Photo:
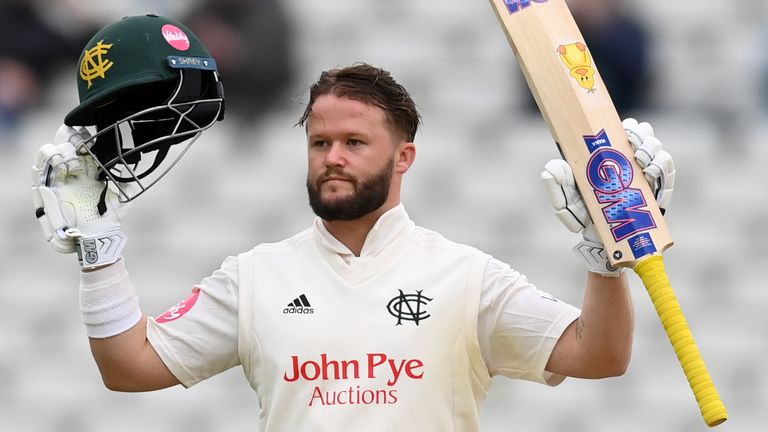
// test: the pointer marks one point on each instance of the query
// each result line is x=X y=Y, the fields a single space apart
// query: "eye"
x=352 y=142
x=320 y=143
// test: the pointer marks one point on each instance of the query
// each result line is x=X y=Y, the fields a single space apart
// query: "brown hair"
x=373 y=86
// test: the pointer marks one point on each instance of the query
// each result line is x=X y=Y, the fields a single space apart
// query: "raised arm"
x=67 y=196
x=126 y=360
x=599 y=343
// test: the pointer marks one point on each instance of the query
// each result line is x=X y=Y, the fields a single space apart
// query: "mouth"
x=336 y=184
x=335 y=179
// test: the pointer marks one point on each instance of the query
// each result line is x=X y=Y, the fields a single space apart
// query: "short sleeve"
x=197 y=338
x=519 y=325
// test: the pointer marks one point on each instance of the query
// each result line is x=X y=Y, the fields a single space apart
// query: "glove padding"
x=657 y=164
x=66 y=195
x=566 y=202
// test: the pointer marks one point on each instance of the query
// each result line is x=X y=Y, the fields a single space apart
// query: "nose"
x=335 y=155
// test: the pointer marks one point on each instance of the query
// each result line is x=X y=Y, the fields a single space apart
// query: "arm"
x=64 y=192
x=598 y=344
x=128 y=362
x=117 y=332
x=193 y=340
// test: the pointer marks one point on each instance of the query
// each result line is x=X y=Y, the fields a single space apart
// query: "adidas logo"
x=299 y=305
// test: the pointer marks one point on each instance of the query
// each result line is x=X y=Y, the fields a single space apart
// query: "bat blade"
x=583 y=121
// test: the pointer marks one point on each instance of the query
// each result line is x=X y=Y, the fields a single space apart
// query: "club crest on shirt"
x=409 y=307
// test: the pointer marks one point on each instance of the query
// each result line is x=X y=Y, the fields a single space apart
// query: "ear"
x=406 y=154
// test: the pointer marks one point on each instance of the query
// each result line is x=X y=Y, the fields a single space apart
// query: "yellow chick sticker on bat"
x=577 y=59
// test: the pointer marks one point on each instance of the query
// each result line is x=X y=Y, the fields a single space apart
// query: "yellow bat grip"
x=651 y=271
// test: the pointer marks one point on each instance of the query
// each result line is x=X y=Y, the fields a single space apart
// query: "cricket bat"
x=571 y=96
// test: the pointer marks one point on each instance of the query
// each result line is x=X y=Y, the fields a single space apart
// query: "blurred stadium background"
x=475 y=180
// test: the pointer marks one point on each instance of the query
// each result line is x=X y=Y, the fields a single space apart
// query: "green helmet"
x=145 y=83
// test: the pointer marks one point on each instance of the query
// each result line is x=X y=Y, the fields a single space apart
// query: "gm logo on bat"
x=517 y=5
x=625 y=209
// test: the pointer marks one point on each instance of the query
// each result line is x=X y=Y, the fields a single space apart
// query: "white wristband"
x=108 y=301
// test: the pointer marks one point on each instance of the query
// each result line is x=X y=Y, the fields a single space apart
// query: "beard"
x=367 y=196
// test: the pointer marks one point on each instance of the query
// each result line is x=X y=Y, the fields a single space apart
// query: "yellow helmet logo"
x=577 y=59
x=94 y=65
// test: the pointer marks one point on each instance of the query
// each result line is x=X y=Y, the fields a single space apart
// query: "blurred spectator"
x=252 y=44
x=619 y=45
x=30 y=51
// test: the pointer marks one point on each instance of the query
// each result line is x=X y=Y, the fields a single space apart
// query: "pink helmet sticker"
x=175 y=37
x=180 y=309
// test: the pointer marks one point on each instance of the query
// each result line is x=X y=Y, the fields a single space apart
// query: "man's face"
x=351 y=156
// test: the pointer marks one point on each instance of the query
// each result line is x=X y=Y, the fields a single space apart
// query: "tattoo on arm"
x=579 y=328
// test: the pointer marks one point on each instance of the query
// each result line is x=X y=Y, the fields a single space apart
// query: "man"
x=364 y=321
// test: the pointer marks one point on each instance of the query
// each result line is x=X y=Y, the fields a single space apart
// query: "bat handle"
x=651 y=271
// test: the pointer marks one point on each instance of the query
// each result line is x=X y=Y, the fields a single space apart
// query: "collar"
x=389 y=226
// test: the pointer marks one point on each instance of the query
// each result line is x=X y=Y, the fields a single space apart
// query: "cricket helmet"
x=145 y=83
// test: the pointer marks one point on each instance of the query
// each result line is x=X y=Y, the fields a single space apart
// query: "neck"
x=352 y=233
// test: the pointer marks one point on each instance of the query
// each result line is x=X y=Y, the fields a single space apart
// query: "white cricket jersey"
x=407 y=335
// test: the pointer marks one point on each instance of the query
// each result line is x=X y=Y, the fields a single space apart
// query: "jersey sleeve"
x=519 y=325
x=197 y=338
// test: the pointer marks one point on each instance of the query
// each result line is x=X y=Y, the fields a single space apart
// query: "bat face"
x=624 y=208
x=566 y=83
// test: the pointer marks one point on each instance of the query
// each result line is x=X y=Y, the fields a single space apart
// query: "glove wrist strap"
x=593 y=255
x=99 y=249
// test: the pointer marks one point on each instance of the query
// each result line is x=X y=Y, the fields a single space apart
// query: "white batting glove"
x=66 y=195
x=656 y=163
x=566 y=202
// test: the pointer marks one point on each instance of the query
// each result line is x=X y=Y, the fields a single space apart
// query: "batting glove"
x=566 y=202
x=66 y=196
x=657 y=164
